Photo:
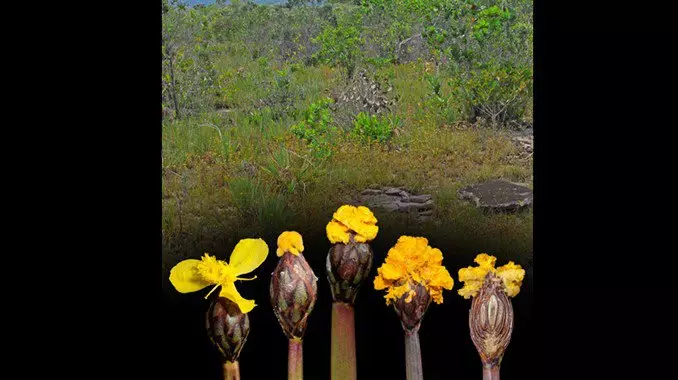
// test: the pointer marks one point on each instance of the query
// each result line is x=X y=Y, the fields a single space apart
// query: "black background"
x=446 y=346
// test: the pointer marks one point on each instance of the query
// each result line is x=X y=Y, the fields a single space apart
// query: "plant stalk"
x=343 y=362
x=231 y=370
x=295 y=362
x=491 y=373
x=413 y=356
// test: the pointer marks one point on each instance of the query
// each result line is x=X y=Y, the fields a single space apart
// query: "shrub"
x=317 y=128
x=439 y=103
x=372 y=128
x=341 y=44
x=499 y=94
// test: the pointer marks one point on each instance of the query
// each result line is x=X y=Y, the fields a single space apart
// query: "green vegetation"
x=251 y=139
x=373 y=128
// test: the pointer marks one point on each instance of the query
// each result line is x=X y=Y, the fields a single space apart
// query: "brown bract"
x=293 y=293
x=411 y=313
x=491 y=321
x=347 y=266
x=227 y=327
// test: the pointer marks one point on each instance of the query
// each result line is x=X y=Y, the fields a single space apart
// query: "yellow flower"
x=409 y=262
x=350 y=219
x=290 y=241
x=512 y=276
x=193 y=275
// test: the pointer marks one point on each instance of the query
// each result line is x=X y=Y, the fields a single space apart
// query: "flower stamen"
x=213 y=289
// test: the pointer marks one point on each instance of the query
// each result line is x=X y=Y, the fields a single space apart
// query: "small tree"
x=341 y=44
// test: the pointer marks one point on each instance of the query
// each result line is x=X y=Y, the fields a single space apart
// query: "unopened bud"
x=227 y=327
x=347 y=266
x=293 y=293
x=411 y=313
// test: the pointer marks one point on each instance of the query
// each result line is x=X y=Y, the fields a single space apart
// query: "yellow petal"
x=185 y=277
x=247 y=255
x=229 y=291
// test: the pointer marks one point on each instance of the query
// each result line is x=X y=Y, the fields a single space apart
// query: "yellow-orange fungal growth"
x=512 y=276
x=350 y=219
x=290 y=241
x=412 y=261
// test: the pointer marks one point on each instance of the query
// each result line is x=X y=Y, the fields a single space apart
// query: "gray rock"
x=395 y=199
x=498 y=196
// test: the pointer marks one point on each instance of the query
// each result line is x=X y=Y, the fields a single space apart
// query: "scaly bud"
x=491 y=321
x=227 y=327
x=411 y=313
x=293 y=293
x=347 y=266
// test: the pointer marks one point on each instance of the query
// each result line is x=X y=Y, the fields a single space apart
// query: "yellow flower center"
x=217 y=272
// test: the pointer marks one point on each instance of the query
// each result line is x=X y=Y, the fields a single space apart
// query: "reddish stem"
x=491 y=373
x=231 y=371
x=295 y=362
x=343 y=362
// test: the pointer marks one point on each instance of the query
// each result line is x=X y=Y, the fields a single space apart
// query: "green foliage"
x=497 y=93
x=317 y=129
x=290 y=171
x=490 y=22
x=256 y=200
x=369 y=128
x=438 y=102
x=341 y=44
x=248 y=131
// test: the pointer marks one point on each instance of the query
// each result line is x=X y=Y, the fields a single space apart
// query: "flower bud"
x=491 y=321
x=293 y=293
x=347 y=266
x=227 y=327
x=411 y=313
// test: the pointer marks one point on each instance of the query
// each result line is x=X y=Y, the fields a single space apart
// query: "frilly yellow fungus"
x=290 y=241
x=409 y=262
x=512 y=276
x=350 y=219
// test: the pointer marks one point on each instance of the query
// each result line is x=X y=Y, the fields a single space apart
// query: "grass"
x=239 y=173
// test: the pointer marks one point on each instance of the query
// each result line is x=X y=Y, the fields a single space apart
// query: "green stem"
x=491 y=373
x=343 y=365
x=231 y=371
x=413 y=356
x=295 y=360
